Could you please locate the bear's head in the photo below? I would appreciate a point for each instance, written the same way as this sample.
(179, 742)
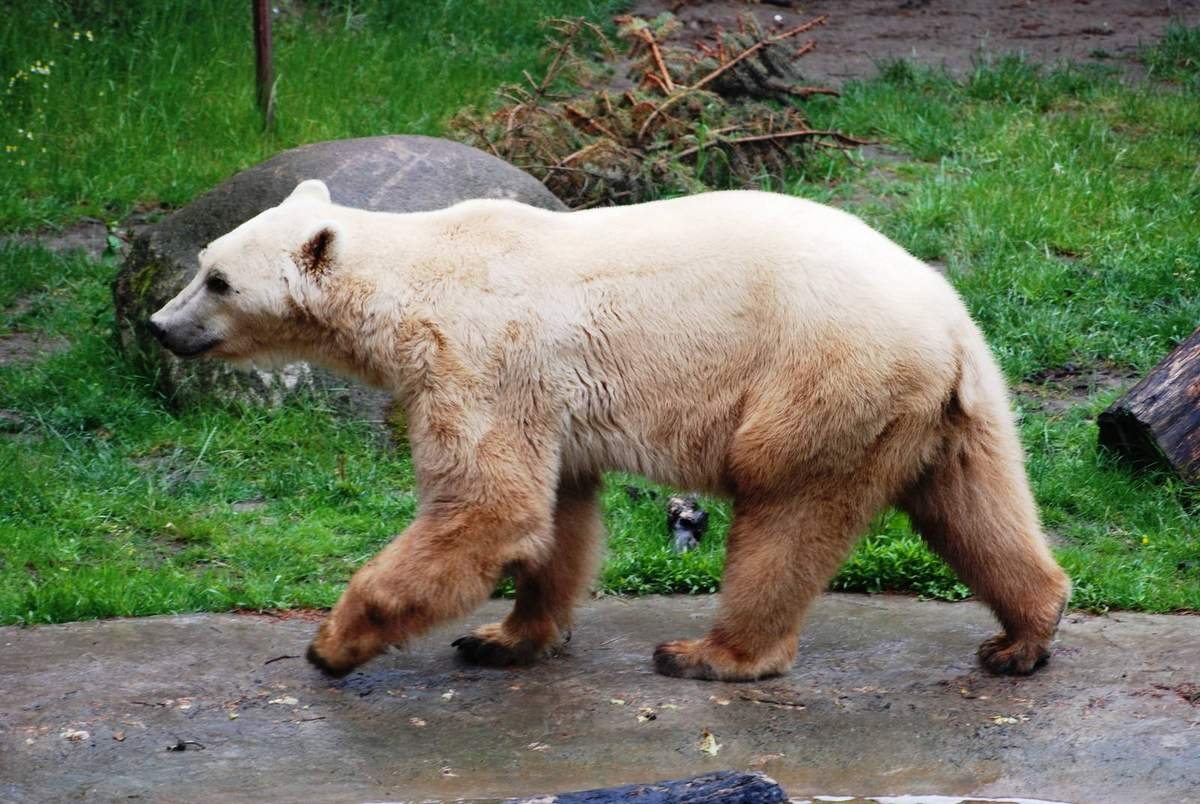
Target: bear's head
(251, 298)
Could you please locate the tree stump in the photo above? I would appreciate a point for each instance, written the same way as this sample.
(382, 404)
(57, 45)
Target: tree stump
(1158, 421)
(726, 787)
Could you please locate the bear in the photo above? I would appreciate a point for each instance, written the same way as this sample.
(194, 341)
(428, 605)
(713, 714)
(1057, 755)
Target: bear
(758, 346)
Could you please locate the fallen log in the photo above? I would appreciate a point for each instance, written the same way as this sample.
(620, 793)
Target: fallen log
(1158, 421)
(726, 787)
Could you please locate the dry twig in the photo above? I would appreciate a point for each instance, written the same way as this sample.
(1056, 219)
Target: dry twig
(717, 114)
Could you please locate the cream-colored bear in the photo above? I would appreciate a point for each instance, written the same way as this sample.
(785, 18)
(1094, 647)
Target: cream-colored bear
(746, 344)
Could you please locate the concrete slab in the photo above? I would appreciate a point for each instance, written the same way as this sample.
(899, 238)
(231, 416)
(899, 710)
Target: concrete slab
(884, 700)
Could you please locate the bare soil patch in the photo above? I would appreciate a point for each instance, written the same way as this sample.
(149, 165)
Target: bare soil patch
(89, 235)
(24, 347)
(1058, 389)
(860, 34)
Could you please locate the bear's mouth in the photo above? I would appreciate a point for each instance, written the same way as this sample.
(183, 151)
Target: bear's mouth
(191, 351)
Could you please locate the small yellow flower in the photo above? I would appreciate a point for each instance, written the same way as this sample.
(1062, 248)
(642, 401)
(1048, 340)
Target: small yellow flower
(89, 36)
(54, 25)
(75, 36)
(1145, 540)
(8, 149)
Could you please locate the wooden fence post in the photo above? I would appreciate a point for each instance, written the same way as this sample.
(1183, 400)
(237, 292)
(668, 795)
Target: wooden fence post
(263, 69)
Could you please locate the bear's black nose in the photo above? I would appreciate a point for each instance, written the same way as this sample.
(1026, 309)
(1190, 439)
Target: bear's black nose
(155, 330)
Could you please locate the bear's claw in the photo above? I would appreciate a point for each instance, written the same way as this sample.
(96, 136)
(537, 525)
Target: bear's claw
(670, 659)
(1005, 656)
(318, 661)
(489, 653)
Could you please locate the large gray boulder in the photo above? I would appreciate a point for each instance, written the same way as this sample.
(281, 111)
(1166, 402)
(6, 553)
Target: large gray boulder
(390, 173)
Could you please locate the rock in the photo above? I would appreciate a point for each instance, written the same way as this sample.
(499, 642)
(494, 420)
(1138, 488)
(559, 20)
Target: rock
(389, 173)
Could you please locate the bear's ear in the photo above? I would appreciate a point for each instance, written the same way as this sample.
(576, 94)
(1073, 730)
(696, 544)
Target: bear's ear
(310, 190)
(317, 253)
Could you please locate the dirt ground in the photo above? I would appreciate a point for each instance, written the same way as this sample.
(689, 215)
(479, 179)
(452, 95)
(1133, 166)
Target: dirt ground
(862, 33)
(89, 236)
(1060, 389)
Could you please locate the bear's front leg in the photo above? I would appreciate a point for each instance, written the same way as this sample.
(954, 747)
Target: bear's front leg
(443, 566)
(548, 590)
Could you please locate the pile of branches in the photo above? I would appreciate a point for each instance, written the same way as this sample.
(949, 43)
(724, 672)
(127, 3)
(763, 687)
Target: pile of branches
(719, 114)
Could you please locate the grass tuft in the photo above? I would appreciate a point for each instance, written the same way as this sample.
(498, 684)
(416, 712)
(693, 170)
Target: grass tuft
(1176, 57)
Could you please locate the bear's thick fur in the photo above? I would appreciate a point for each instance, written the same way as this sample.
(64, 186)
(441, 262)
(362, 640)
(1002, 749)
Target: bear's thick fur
(747, 344)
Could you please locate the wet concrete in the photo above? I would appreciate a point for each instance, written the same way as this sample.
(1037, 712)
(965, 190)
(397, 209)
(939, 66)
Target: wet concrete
(885, 699)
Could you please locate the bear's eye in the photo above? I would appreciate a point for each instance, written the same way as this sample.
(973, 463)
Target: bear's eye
(216, 284)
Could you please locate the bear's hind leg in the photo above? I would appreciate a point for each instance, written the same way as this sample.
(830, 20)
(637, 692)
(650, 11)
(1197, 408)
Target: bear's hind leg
(975, 509)
(781, 554)
(546, 591)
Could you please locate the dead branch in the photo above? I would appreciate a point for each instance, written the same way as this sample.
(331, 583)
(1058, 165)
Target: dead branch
(745, 54)
(773, 138)
(649, 39)
(593, 147)
(806, 92)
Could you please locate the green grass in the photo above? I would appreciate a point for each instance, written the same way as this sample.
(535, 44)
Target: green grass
(104, 106)
(1062, 202)
(1176, 57)
(113, 506)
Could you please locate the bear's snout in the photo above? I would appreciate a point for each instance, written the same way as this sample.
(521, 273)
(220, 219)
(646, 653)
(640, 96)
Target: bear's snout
(157, 331)
(195, 339)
